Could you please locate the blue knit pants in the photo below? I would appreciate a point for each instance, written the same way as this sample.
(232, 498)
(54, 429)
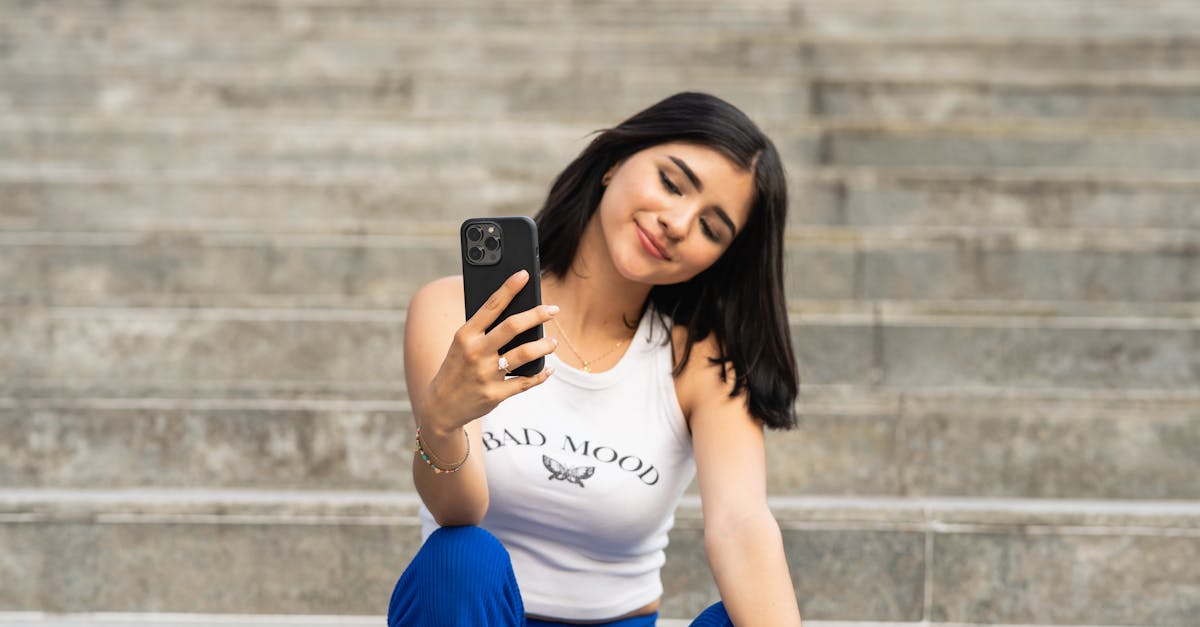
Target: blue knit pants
(463, 577)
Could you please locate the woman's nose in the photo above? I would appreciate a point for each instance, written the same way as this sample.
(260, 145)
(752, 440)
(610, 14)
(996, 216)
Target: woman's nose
(675, 222)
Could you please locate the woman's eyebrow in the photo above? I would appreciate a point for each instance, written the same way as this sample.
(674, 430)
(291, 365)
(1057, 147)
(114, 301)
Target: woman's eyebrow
(688, 172)
(725, 218)
(700, 187)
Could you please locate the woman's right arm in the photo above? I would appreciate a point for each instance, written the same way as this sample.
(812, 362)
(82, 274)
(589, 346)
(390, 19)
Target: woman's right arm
(450, 367)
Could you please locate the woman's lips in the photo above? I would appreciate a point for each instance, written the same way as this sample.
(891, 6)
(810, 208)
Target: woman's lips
(650, 246)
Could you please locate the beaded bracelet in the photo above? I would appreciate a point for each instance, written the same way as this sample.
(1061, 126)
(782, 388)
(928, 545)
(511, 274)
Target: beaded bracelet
(429, 457)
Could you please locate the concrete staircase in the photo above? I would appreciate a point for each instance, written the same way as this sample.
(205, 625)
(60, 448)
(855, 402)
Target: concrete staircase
(212, 215)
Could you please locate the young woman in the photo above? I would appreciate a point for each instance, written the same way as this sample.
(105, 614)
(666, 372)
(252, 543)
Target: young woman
(548, 499)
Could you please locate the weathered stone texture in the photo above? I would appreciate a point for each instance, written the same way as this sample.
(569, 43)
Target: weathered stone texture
(1066, 579)
(213, 215)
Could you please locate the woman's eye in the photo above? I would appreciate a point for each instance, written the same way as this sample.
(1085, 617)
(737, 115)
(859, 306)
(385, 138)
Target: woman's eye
(668, 184)
(708, 232)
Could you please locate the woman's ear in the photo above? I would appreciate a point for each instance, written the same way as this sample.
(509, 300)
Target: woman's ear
(607, 178)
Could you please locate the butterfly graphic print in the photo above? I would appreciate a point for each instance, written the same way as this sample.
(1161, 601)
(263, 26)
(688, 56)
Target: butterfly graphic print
(574, 475)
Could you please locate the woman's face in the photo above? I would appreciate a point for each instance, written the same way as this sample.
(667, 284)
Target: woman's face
(670, 211)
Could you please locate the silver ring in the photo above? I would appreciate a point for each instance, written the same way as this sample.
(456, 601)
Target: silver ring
(504, 365)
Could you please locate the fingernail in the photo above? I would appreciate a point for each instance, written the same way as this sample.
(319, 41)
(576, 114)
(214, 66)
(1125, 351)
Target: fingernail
(549, 370)
(552, 309)
(523, 273)
(554, 341)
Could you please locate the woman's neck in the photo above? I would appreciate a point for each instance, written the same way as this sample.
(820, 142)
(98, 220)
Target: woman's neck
(591, 309)
(595, 300)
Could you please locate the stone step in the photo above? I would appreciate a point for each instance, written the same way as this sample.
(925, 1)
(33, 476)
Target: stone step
(181, 148)
(856, 441)
(185, 619)
(979, 264)
(264, 57)
(126, 202)
(509, 154)
(1012, 146)
(768, 99)
(396, 55)
(362, 347)
(321, 148)
(1011, 58)
(996, 443)
(915, 196)
(384, 269)
(998, 314)
(369, 18)
(609, 96)
(297, 28)
(600, 95)
(902, 560)
(36, 200)
(394, 46)
(467, 93)
(991, 18)
(844, 91)
(983, 18)
(1069, 98)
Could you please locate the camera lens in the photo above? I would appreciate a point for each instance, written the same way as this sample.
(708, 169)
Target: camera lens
(474, 234)
(475, 253)
(491, 243)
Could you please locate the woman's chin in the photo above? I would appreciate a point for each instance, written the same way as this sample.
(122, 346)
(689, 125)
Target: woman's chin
(652, 279)
(638, 271)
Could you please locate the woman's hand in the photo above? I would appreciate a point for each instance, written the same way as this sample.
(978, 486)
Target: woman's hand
(470, 382)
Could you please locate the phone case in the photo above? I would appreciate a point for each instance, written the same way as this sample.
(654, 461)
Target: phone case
(517, 250)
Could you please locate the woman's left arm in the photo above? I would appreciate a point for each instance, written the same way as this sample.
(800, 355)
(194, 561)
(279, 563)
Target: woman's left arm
(741, 536)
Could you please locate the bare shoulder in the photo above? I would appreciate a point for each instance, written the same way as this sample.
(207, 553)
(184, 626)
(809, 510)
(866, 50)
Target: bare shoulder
(700, 381)
(440, 298)
(443, 287)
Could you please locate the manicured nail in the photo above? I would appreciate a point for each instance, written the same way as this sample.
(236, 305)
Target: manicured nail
(554, 341)
(549, 370)
(552, 309)
(523, 273)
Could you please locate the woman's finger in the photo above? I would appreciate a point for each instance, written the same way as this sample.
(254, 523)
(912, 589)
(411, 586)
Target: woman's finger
(518, 323)
(515, 385)
(529, 351)
(495, 304)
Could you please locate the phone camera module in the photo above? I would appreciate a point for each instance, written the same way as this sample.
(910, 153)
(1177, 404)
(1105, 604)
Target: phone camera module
(483, 245)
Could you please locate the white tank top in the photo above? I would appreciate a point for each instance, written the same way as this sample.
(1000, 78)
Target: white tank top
(584, 474)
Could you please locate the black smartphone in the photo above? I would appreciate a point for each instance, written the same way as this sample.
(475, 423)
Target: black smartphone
(494, 249)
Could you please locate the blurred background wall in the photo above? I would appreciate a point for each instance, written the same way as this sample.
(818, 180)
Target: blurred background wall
(213, 214)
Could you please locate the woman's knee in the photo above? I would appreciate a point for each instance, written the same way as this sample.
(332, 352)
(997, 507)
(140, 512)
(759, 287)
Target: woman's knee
(463, 551)
(459, 561)
(460, 576)
(468, 535)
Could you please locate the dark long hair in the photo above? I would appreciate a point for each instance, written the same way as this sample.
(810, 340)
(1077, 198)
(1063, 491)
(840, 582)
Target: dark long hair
(740, 297)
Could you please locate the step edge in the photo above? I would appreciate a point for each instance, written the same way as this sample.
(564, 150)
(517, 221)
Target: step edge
(689, 504)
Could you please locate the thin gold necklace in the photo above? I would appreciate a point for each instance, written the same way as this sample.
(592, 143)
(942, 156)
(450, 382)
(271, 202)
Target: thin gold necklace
(586, 362)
